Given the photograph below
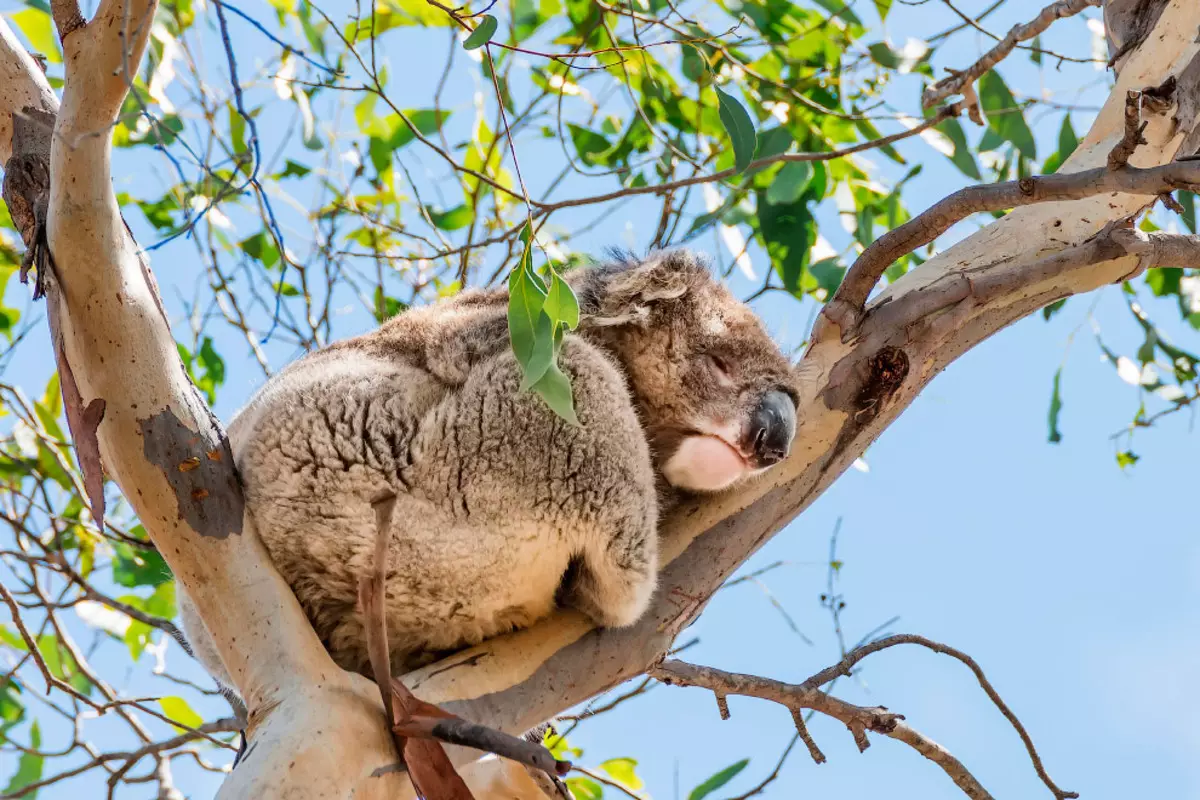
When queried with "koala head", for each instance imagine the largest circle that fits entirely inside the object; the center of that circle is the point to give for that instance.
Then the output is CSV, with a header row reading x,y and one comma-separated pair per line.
x,y
716,395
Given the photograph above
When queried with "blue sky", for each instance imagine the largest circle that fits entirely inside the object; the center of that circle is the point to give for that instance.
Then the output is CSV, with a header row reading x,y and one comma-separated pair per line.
x,y
1073,583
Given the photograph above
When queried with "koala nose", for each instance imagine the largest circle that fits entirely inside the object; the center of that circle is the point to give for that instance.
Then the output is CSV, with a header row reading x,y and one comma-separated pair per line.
x,y
772,427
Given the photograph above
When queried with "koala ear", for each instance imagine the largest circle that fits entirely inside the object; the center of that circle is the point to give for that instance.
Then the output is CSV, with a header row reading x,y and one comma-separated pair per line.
x,y
625,293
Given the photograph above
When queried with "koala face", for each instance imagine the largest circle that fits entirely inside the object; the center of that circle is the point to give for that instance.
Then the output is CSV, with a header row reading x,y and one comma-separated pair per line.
x,y
716,395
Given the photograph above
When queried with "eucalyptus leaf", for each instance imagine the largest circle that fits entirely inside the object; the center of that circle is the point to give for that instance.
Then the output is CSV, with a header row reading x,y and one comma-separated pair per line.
x,y
482,34
740,128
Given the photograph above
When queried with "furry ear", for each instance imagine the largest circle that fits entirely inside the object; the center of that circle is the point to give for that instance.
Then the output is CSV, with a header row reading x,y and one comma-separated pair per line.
x,y
625,291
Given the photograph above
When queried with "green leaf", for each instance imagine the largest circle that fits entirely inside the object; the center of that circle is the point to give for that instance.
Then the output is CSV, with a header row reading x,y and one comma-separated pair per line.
x,y
1056,405
555,389
718,780
1127,458
1067,140
526,295
1052,309
740,128
136,567
1004,116
38,28
883,55
482,34
883,7
1188,201
456,218
137,637
790,182
293,168
585,789
177,709
788,231
561,304
547,339
589,145
386,307
29,765
623,771
963,158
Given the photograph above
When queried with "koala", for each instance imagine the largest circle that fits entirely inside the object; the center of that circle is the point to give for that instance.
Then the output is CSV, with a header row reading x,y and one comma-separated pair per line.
x,y
504,510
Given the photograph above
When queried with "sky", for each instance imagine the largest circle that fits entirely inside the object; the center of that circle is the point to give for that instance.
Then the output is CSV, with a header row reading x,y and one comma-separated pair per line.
x,y
1073,583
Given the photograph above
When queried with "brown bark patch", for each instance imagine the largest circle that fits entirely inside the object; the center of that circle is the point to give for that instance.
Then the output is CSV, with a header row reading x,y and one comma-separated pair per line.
x,y
208,492
886,370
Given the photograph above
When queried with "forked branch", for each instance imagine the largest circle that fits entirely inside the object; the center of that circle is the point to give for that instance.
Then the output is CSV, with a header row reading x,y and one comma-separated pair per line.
x,y
846,306
960,81
808,695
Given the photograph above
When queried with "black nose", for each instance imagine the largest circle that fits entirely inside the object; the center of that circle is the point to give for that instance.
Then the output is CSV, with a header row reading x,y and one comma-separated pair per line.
x,y
772,428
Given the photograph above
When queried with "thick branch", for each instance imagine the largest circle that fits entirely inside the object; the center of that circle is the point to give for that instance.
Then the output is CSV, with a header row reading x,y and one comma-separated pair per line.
x,y
959,81
851,295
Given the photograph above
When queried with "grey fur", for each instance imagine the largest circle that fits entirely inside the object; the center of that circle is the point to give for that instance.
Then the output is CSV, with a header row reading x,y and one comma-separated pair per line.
x,y
503,509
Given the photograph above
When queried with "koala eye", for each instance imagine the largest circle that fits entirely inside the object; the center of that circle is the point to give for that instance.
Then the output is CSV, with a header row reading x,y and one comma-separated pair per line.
x,y
720,368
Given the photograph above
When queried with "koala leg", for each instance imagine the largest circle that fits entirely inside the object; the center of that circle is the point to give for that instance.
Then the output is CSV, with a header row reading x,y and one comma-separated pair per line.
x,y
617,577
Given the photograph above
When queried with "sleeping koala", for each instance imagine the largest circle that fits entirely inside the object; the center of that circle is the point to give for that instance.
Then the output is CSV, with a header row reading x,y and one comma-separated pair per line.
x,y
503,509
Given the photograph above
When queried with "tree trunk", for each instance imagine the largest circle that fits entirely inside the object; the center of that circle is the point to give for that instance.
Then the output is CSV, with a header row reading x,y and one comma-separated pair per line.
x,y
317,732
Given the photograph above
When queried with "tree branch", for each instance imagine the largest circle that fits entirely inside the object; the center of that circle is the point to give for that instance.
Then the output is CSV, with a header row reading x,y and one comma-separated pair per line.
x,y
959,81
798,697
846,305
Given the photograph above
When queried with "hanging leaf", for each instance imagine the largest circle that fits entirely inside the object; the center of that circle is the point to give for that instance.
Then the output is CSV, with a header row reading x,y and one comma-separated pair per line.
x,y
482,34
555,389
740,128
1004,116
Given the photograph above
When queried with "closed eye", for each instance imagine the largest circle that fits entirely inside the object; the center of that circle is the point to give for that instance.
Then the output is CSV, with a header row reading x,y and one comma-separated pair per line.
x,y
720,368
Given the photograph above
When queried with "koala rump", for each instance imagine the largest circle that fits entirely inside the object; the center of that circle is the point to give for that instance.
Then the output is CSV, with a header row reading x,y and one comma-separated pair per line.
x,y
503,509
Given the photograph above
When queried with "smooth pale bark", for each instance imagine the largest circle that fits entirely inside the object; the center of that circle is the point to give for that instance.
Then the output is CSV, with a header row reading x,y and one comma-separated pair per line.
x,y
319,733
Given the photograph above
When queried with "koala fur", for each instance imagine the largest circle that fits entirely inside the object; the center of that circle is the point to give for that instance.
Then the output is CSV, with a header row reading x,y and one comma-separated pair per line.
x,y
503,509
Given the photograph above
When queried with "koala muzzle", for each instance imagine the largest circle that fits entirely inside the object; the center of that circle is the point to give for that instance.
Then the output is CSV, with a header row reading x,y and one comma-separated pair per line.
x,y
772,428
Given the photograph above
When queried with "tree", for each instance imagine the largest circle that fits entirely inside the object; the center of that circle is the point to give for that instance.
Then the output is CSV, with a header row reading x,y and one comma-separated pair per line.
x,y
773,134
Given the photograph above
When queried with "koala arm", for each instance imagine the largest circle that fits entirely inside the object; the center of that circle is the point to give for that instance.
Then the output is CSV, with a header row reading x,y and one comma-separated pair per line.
x,y
506,458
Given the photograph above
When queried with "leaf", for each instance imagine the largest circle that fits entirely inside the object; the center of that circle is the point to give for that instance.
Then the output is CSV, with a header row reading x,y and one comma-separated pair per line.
x,y
561,304
1004,116
1188,201
1052,309
555,389
788,231
585,789
38,28
29,765
456,218
482,34
740,128
177,709
526,296
883,7
622,770
1056,405
546,342
589,145
1127,458
963,158
293,168
790,182
718,780
135,567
